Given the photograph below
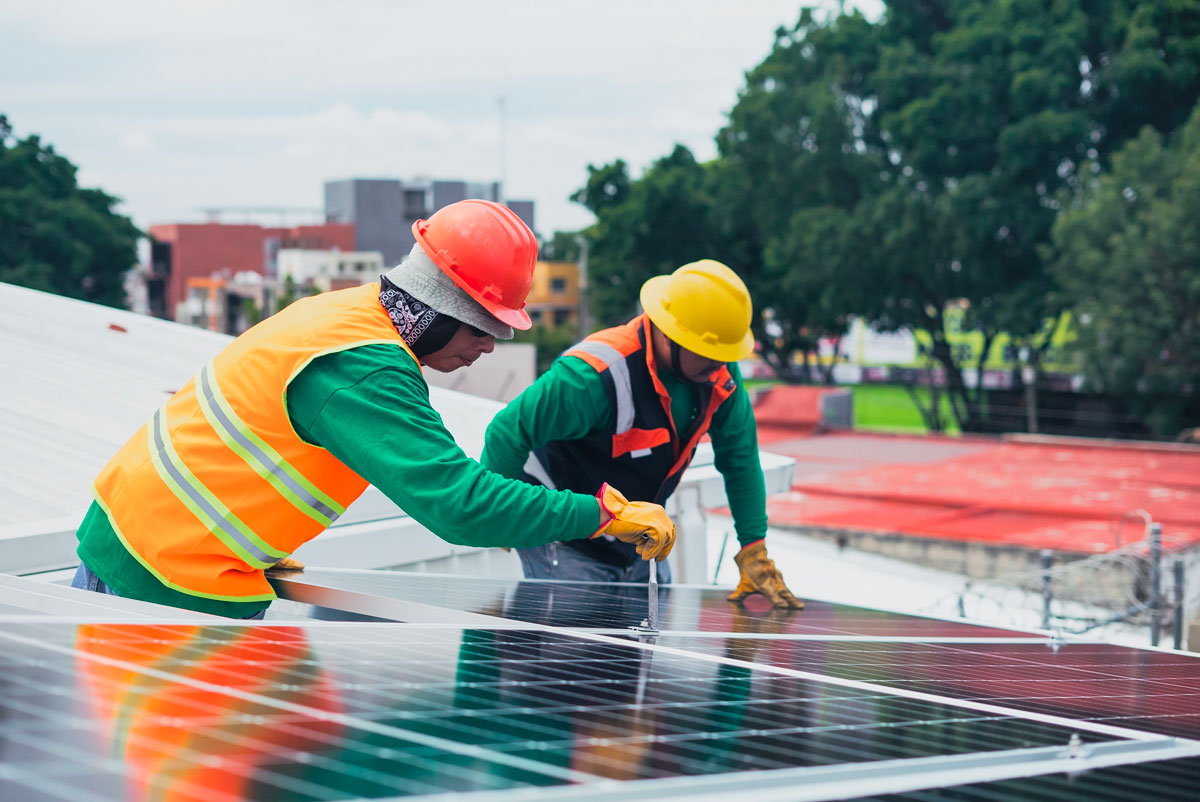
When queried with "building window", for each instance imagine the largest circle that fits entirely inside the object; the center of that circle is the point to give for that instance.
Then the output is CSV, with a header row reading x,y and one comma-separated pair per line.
x,y
558,285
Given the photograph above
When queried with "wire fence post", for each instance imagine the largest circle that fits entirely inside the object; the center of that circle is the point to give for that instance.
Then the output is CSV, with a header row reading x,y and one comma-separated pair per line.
x,y
1047,565
1178,633
1155,581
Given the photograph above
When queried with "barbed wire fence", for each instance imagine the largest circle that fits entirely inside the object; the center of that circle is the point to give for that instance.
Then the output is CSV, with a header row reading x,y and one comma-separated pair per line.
x,y
1143,590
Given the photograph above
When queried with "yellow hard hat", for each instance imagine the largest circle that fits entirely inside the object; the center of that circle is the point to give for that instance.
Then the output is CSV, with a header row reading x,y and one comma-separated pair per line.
x,y
705,308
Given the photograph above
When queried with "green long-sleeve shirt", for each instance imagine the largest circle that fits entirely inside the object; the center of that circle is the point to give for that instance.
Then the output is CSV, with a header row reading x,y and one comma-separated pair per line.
x,y
372,411
569,402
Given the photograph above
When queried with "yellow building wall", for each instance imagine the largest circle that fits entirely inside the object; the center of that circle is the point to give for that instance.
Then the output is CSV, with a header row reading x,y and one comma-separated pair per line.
x,y
545,304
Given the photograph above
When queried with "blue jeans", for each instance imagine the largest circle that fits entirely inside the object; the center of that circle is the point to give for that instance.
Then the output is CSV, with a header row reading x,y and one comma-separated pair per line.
x,y
86,580
556,561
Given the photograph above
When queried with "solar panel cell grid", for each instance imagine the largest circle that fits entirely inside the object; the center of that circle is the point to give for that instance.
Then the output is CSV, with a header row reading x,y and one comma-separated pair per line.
x,y
519,689
1138,688
334,712
207,713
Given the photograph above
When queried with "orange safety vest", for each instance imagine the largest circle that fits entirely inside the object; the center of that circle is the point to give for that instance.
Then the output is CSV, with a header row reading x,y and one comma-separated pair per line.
x,y
217,486
642,452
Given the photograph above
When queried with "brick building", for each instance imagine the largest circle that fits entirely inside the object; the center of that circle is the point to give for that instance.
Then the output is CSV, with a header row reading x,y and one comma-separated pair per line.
x,y
183,251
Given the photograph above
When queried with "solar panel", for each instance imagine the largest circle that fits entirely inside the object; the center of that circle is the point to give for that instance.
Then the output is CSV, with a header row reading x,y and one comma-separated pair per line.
x,y
1138,688
338,711
502,690
595,605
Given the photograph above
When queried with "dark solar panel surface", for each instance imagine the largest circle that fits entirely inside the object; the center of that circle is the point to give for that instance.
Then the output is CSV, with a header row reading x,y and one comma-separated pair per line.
x,y
1153,782
1137,688
462,700
373,710
618,606
204,713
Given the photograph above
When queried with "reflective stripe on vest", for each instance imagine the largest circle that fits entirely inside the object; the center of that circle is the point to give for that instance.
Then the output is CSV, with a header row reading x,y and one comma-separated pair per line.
x,y
618,368
258,454
215,516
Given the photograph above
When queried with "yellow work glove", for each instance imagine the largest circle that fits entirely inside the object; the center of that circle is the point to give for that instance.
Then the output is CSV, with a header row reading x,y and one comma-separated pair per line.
x,y
644,524
759,575
286,565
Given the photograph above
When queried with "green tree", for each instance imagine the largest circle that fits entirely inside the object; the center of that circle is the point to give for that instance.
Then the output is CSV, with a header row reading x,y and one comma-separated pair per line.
x,y
1126,253
893,168
562,247
646,227
54,235
941,136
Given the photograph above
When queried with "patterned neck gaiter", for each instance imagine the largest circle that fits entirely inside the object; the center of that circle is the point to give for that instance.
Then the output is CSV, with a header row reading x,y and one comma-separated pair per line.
x,y
422,327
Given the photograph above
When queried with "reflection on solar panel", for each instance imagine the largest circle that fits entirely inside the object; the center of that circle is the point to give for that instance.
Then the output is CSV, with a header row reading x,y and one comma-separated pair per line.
x,y
735,702
618,606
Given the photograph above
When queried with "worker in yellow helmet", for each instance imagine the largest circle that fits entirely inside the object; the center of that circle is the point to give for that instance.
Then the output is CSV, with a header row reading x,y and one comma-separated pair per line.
x,y
628,406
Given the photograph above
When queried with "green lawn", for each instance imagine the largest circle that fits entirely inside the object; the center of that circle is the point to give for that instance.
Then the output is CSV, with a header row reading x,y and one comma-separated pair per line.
x,y
884,407
889,408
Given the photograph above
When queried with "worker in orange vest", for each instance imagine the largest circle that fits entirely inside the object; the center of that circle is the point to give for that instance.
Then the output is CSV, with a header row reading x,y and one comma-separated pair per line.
x,y
274,437
628,405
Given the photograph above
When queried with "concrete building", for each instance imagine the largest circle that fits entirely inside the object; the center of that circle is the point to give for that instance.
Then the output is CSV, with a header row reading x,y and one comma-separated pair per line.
x,y
554,297
183,251
329,270
383,210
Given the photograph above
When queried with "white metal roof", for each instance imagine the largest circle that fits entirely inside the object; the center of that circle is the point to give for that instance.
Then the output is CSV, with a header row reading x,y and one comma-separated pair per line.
x,y
78,379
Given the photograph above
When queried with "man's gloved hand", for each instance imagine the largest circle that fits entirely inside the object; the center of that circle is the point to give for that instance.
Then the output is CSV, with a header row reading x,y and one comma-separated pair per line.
x,y
759,575
286,565
644,524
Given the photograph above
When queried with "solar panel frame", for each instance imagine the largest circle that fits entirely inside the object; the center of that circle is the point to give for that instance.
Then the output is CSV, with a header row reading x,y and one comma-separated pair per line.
x,y
1165,779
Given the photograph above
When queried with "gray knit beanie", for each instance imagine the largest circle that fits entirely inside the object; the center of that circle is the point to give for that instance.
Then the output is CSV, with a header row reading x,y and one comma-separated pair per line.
x,y
421,278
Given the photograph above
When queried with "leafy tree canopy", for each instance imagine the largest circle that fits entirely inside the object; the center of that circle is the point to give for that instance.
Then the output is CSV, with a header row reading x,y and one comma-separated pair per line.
x,y
886,169
562,247
54,235
1127,254
646,227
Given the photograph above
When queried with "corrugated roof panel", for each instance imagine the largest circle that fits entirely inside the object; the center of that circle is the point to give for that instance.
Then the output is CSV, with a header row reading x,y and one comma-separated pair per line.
x,y
78,380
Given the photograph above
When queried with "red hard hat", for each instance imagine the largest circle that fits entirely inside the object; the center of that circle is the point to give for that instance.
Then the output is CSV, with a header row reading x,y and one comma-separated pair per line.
x,y
488,251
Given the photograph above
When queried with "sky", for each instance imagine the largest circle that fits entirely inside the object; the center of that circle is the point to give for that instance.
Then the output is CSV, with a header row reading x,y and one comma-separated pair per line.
x,y
178,107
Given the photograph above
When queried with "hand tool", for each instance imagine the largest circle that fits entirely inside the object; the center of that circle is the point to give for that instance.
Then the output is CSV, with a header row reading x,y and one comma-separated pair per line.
x,y
650,622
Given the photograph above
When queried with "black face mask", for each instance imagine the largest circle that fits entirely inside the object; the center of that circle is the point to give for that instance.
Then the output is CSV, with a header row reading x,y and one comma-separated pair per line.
x,y
436,336
423,328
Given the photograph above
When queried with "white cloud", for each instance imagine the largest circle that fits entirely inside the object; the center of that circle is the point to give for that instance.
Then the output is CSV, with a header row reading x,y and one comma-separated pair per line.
x,y
135,141
181,106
